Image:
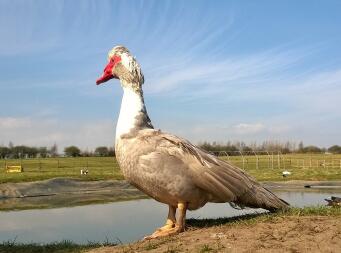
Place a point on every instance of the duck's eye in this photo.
(115, 59)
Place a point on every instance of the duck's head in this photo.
(122, 65)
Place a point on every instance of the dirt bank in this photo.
(278, 234)
(72, 186)
(59, 192)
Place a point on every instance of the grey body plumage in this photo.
(171, 169)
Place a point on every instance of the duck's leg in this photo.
(171, 220)
(170, 223)
(181, 221)
(176, 228)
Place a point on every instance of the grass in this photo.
(310, 167)
(262, 167)
(100, 168)
(249, 219)
(205, 248)
(56, 247)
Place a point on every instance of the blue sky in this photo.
(220, 70)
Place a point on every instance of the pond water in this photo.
(120, 221)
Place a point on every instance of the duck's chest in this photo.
(127, 155)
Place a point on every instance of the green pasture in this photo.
(269, 167)
(100, 168)
(264, 167)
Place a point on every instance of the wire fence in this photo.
(277, 160)
(65, 165)
(244, 160)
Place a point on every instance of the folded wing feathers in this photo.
(224, 181)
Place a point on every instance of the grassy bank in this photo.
(311, 229)
(57, 247)
(265, 167)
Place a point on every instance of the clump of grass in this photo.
(171, 250)
(259, 217)
(312, 210)
(12, 246)
(205, 248)
(151, 246)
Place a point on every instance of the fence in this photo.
(69, 166)
(244, 160)
(277, 160)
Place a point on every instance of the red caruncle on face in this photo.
(108, 70)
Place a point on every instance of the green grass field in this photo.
(100, 168)
(262, 167)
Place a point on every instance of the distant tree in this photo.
(87, 153)
(53, 151)
(247, 149)
(32, 152)
(215, 147)
(42, 152)
(102, 151)
(72, 151)
(285, 150)
(335, 149)
(10, 145)
(19, 151)
(4, 152)
(311, 149)
(300, 147)
(111, 151)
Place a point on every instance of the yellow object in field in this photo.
(14, 169)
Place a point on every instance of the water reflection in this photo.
(126, 221)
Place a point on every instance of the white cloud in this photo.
(14, 123)
(46, 132)
(244, 128)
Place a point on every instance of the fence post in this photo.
(39, 164)
(57, 163)
(279, 161)
(272, 160)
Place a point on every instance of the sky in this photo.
(214, 70)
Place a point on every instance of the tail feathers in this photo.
(260, 197)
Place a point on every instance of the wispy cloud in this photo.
(208, 74)
(247, 128)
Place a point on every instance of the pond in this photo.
(121, 221)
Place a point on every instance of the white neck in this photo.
(132, 105)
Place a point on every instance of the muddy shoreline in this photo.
(62, 192)
(57, 186)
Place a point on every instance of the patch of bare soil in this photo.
(278, 234)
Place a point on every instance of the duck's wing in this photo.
(223, 181)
